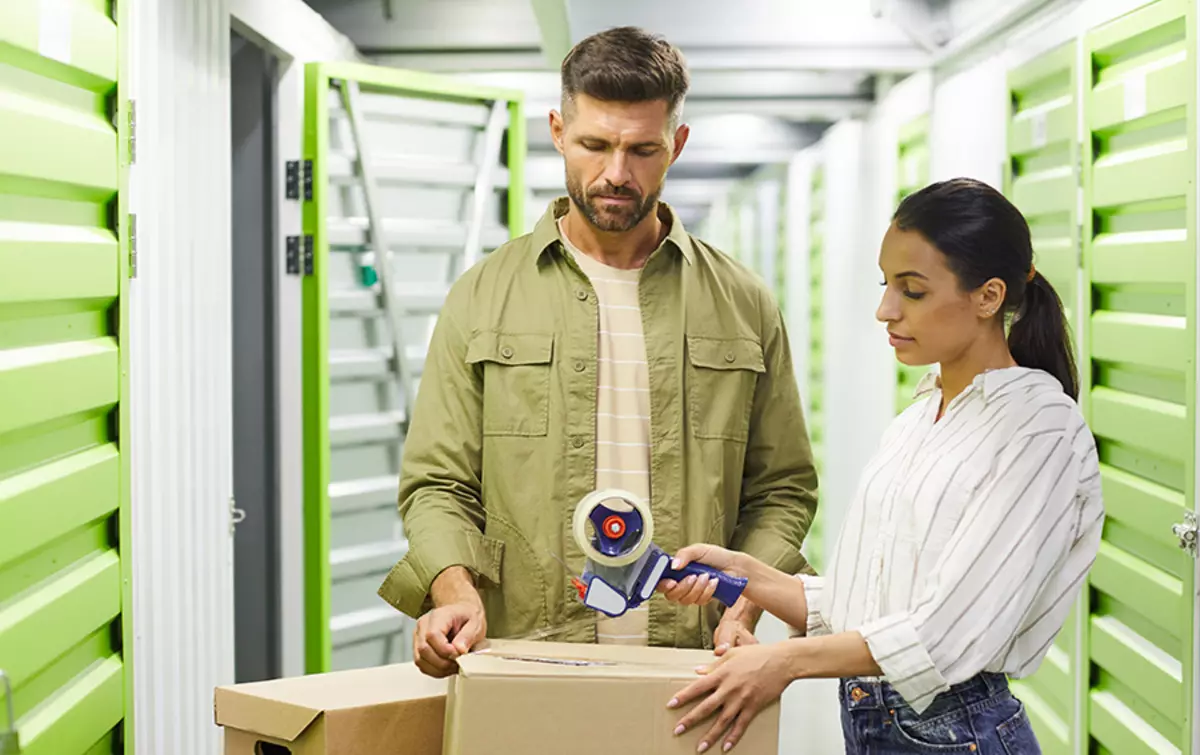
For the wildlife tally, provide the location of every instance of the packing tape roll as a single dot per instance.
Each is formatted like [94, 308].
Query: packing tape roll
[580, 521]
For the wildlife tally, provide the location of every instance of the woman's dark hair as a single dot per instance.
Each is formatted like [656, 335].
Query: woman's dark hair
[983, 236]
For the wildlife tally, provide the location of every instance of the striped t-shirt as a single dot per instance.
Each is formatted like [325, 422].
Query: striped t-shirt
[622, 407]
[969, 537]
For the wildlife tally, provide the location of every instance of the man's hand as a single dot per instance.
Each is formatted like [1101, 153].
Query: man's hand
[452, 628]
[446, 633]
[737, 626]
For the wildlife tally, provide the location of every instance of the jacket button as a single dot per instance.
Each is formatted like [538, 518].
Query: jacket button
[729, 357]
[581, 295]
[506, 352]
[577, 442]
[580, 366]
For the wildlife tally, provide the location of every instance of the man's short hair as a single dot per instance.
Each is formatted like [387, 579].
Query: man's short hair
[625, 64]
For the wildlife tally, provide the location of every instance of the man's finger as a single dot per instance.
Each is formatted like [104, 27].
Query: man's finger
[440, 643]
[465, 638]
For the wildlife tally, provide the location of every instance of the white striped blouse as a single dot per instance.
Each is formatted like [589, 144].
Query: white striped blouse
[969, 537]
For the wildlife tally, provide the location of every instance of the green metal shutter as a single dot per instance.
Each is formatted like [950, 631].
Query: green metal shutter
[1140, 376]
[1042, 180]
[63, 477]
[912, 175]
[406, 166]
[814, 542]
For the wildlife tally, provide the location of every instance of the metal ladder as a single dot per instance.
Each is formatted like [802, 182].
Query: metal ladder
[397, 312]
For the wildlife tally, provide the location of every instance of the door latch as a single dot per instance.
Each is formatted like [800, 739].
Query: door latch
[1188, 532]
[9, 737]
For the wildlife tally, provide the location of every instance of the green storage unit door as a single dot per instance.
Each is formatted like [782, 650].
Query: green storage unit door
[426, 172]
[1042, 180]
[814, 543]
[1140, 375]
[62, 475]
[912, 175]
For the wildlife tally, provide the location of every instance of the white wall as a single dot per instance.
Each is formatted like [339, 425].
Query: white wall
[180, 442]
[967, 128]
[859, 365]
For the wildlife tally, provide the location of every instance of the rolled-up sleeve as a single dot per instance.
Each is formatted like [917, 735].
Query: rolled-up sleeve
[440, 495]
[1010, 541]
[816, 625]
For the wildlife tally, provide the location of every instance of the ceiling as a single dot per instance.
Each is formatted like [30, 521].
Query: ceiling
[767, 75]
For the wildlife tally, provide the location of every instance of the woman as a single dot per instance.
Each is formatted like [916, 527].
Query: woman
[973, 526]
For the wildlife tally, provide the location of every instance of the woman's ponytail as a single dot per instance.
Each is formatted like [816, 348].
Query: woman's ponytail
[1039, 337]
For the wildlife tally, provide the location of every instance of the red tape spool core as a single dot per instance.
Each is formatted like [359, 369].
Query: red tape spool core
[614, 527]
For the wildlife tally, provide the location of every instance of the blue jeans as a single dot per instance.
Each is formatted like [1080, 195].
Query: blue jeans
[979, 716]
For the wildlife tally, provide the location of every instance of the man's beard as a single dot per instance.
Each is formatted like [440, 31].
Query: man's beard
[614, 219]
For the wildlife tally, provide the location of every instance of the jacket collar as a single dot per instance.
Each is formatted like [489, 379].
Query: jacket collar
[545, 234]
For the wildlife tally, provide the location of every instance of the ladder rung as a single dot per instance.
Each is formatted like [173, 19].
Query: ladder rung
[371, 363]
[404, 169]
[409, 233]
[349, 429]
[367, 624]
[393, 107]
[362, 494]
[366, 558]
[364, 302]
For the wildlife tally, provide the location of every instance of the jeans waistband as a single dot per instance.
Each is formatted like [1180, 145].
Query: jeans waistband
[858, 694]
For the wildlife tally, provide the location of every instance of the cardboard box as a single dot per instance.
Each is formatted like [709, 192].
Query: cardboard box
[541, 698]
[389, 710]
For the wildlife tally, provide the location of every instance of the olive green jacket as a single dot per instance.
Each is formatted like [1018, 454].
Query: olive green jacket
[501, 443]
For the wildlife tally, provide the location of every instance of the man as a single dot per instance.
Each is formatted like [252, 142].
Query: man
[608, 348]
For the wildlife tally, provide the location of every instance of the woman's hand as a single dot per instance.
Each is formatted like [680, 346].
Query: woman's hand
[698, 591]
[736, 688]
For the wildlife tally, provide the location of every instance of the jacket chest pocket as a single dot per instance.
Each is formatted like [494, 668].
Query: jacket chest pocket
[516, 381]
[722, 374]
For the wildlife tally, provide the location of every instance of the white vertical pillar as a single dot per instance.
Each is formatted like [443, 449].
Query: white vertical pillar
[180, 372]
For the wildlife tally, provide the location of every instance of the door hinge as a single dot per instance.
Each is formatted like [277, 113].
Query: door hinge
[132, 133]
[299, 251]
[10, 743]
[293, 255]
[1188, 532]
[308, 180]
[133, 245]
[292, 180]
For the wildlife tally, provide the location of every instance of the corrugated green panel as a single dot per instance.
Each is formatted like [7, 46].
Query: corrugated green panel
[1042, 180]
[814, 545]
[61, 491]
[1140, 381]
[912, 175]
[1140, 376]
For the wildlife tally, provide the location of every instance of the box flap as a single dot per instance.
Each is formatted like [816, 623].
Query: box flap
[284, 708]
[236, 709]
[530, 659]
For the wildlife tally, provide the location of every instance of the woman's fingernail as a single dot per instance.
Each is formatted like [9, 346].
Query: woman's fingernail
[673, 703]
[728, 746]
[675, 563]
[703, 747]
[678, 729]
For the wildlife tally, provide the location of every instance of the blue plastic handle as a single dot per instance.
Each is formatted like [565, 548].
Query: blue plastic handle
[729, 589]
